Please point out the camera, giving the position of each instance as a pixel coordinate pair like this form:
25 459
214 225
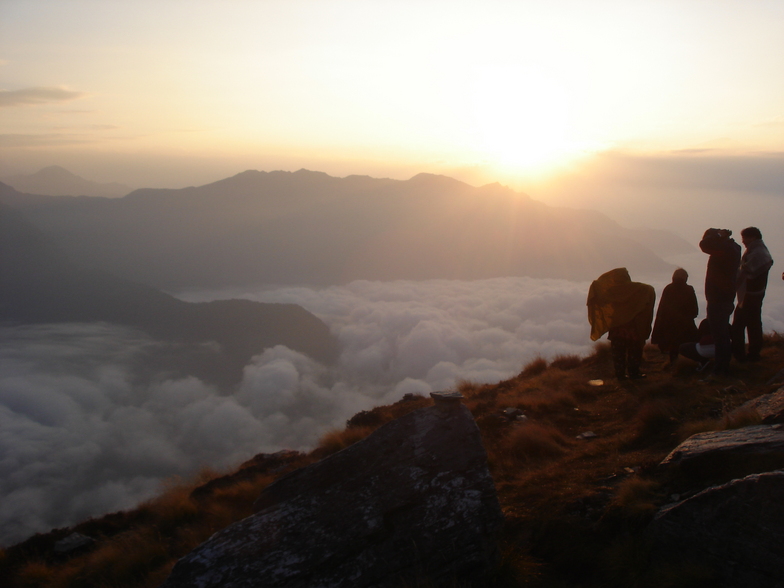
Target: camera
720 233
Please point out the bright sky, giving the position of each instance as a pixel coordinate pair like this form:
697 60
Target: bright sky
503 90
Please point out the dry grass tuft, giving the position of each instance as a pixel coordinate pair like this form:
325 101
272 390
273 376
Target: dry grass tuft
534 368
654 421
335 440
468 388
174 507
566 362
738 418
36 573
125 560
531 442
638 497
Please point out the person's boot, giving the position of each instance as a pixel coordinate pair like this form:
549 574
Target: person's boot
635 360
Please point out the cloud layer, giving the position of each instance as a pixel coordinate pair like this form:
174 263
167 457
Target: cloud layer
81 436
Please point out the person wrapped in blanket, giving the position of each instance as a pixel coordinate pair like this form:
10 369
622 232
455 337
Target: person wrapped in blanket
624 310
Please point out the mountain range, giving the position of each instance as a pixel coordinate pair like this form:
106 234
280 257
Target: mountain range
307 227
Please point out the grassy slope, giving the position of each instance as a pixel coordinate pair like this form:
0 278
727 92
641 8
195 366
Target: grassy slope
575 508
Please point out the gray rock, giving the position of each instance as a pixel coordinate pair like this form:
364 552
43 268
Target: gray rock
770 407
735 530
73 542
723 455
413 501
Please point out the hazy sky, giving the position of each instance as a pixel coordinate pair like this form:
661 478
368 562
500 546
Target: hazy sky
173 93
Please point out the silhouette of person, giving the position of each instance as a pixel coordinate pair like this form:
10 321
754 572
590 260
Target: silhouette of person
752 282
624 310
675 316
720 283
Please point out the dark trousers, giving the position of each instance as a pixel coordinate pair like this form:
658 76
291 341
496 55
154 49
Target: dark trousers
748 317
719 313
626 355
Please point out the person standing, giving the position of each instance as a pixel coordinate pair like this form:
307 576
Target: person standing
624 310
720 285
752 282
674 324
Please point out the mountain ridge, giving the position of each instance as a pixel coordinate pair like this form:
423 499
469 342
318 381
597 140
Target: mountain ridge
308 227
55 180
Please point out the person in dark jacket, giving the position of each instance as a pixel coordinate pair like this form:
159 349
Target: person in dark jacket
752 282
675 316
624 310
720 284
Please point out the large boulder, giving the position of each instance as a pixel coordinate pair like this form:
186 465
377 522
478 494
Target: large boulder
735 531
719 456
413 501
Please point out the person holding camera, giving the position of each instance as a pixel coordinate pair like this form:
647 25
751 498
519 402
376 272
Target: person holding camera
720 289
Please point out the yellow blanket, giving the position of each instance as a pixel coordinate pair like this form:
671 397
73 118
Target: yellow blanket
614 301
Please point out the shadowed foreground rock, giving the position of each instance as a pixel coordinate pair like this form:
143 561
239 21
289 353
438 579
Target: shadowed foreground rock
723 455
414 500
736 530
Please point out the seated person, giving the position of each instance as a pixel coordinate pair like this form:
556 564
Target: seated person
703 350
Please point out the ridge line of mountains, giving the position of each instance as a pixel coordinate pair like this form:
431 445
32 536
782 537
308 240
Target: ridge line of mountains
310 228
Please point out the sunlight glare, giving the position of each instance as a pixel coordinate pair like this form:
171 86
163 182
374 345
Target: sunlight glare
522 118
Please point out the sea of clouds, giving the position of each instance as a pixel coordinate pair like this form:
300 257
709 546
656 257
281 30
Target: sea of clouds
80 435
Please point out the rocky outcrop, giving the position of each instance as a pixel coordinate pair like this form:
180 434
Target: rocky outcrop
723 455
770 407
735 530
413 501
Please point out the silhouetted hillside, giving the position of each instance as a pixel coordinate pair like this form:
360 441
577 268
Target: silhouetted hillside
41 285
308 227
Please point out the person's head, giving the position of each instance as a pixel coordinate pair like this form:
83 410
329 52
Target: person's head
749 235
720 233
680 275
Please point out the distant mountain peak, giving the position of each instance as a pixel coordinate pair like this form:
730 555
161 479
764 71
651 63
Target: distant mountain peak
55 180
54 171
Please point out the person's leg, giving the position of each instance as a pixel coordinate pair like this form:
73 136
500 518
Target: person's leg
719 320
752 307
634 358
738 333
618 349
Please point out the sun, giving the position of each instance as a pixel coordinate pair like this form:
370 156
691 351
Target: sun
521 118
